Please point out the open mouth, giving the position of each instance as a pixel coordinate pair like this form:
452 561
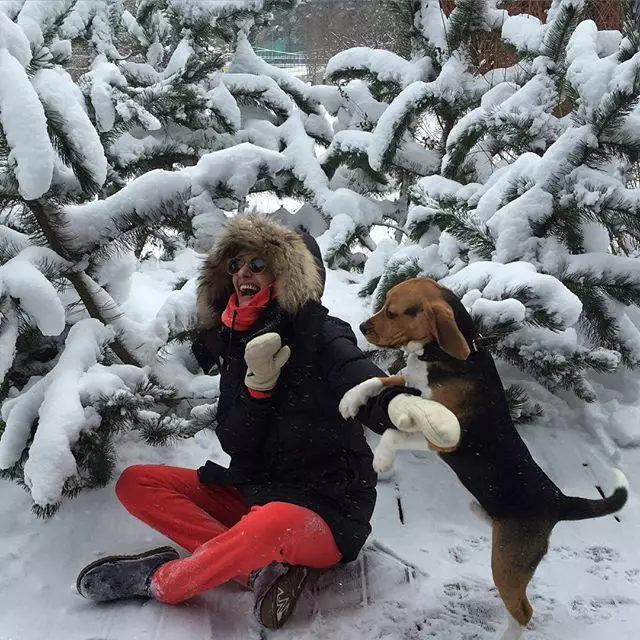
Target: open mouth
248 290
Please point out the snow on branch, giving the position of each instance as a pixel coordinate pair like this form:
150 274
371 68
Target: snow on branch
246 61
55 399
260 88
453 88
151 196
35 295
66 115
384 66
14 40
498 281
24 124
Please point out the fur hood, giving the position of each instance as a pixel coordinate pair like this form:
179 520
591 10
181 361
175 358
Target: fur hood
298 274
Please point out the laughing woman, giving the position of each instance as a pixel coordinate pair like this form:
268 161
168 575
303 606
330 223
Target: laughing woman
300 489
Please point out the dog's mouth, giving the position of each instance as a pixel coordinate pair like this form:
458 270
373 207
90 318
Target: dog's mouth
248 290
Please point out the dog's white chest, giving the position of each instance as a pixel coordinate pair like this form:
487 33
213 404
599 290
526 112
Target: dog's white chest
417 375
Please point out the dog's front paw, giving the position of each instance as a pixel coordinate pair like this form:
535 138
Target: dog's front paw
357 396
383 458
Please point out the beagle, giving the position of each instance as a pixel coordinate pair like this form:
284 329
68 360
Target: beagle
491 459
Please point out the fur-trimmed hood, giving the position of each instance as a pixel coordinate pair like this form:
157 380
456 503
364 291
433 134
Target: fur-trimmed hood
298 275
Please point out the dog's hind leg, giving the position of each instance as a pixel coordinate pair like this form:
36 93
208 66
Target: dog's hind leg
517 549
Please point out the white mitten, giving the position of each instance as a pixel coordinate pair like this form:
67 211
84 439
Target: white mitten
438 425
265 356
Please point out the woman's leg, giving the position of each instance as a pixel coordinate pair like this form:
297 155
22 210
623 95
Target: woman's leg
277 531
173 501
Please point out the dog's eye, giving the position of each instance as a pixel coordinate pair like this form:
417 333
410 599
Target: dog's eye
390 314
413 311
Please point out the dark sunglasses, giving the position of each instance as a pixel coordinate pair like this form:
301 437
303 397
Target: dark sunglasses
256 265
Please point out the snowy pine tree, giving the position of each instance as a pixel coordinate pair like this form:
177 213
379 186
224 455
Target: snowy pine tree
533 216
546 162
394 112
88 168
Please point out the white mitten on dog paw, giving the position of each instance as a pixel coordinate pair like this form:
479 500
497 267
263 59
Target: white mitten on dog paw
438 425
265 356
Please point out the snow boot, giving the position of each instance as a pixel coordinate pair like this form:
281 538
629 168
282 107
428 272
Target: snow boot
116 577
277 588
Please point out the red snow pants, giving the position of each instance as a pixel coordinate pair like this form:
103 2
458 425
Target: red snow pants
227 538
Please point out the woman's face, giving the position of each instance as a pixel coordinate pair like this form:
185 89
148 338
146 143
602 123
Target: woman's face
249 274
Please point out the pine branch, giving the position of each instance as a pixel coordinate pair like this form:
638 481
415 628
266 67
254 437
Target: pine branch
614 109
467 17
566 224
522 412
381 90
354 160
45 214
559 32
392 276
630 29
538 315
556 373
67 149
596 320
455 218
458 152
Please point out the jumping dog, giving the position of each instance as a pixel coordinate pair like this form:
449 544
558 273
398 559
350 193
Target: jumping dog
448 364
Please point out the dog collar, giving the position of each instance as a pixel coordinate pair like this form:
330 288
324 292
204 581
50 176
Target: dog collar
432 352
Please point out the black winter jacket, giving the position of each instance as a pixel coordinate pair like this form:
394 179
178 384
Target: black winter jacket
295 446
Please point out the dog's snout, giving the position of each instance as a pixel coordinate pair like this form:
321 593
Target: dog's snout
364 327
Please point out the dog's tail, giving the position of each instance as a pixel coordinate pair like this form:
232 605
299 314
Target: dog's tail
572 508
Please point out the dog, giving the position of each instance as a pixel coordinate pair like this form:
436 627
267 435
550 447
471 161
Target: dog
449 365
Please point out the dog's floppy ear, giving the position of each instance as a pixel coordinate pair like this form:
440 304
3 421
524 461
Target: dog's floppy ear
447 333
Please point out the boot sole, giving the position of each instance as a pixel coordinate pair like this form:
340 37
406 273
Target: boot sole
292 584
101 561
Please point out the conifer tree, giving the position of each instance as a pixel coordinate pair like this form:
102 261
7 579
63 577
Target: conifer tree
135 148
514 187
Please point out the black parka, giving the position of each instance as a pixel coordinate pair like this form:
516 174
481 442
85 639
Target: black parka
295 446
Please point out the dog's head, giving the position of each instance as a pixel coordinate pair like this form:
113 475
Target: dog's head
417 311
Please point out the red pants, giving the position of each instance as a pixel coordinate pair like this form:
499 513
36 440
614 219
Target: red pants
226 537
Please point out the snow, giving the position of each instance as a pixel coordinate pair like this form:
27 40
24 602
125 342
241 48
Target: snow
179 58
524 32
431 21
34 293
59 94
586 587
8 337
96 222
498 281
24 125
587 72
384 65
13 39
36 18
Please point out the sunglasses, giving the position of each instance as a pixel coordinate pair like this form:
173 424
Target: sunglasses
256 265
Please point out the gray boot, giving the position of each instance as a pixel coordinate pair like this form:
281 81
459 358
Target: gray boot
116 577
277 588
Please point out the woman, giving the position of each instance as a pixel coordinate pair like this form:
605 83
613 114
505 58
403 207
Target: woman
300 489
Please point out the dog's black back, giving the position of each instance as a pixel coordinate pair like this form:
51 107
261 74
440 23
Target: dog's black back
492 461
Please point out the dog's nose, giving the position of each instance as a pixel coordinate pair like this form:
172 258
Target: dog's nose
363 327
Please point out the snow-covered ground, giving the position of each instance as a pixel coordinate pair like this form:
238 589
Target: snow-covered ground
588 587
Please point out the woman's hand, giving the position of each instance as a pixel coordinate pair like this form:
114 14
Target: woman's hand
265 356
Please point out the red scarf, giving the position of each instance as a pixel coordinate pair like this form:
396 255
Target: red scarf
241 318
